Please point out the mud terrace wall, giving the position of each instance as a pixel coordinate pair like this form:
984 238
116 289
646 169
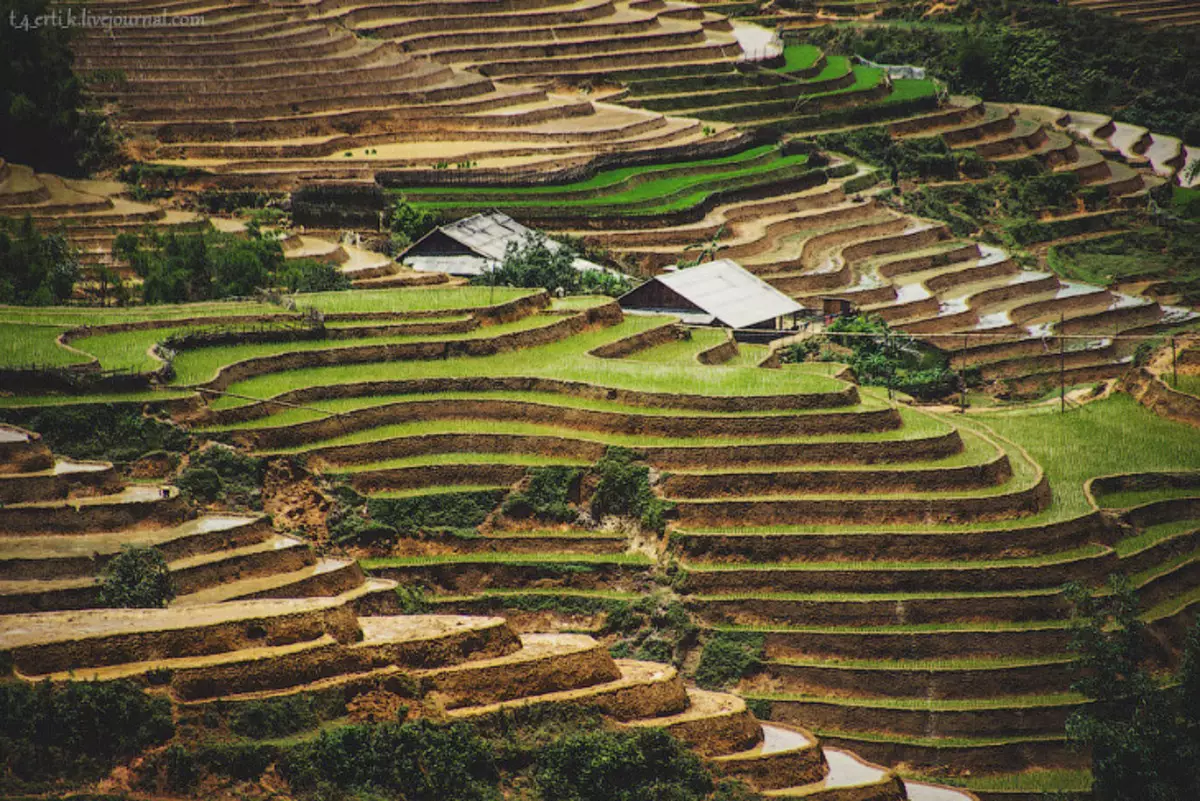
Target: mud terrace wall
1000 758
1150 391
1001 543
767 512
661 425
718 485
719 354
365 354
846 396
662 457
641 341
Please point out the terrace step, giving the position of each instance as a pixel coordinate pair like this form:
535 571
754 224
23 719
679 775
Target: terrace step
545 663
644 688
969 678
786 757
713 723
849 776
325 577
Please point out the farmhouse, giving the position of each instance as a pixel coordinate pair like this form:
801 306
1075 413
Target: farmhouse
719 292
473 245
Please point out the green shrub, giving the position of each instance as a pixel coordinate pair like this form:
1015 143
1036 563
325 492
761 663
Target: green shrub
136 578
409 223
538 262
274 717
642 765
727 657
548 495
113 432
220 473
423 512
419 761
36 269
76 731
309 275
623 489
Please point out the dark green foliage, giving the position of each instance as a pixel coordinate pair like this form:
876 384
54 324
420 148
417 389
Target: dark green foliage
136 578
883 357
1171 256
1144 740
275 717
906 158
209 265
150 181
624 490
412 600
1050 53
727 657
114 432
43 122
182 771
548 495
76 731
409 222
1007 204
35 269
654 628
517 737
220 473
536 262
642 765
441 510
309 275
418 761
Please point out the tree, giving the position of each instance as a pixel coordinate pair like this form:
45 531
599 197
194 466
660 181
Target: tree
407 224
642 765
43 119
1144 738
137 578
36 269
536 262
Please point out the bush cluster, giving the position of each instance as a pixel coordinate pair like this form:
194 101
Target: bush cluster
417 761
209 265
641 765
548 495
623 489
113 432
727 657
1057 54
220 473
45 119
36 269
76 731
535 262
136 578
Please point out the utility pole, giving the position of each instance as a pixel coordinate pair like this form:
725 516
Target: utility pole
1062 366
1174 367
962 366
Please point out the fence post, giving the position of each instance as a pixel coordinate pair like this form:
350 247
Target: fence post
1174 366
1062 365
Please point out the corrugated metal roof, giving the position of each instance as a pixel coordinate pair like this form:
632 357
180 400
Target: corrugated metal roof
487 235
735 296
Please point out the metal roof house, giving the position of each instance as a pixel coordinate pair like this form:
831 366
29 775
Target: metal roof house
719 292
473 246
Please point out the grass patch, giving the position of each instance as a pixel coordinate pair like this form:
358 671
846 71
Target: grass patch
1115 435
1127 499
1032 781
531 459
936 705
499 558
681 351
566 359
805 567
332 406
799 57
652 196
28 344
